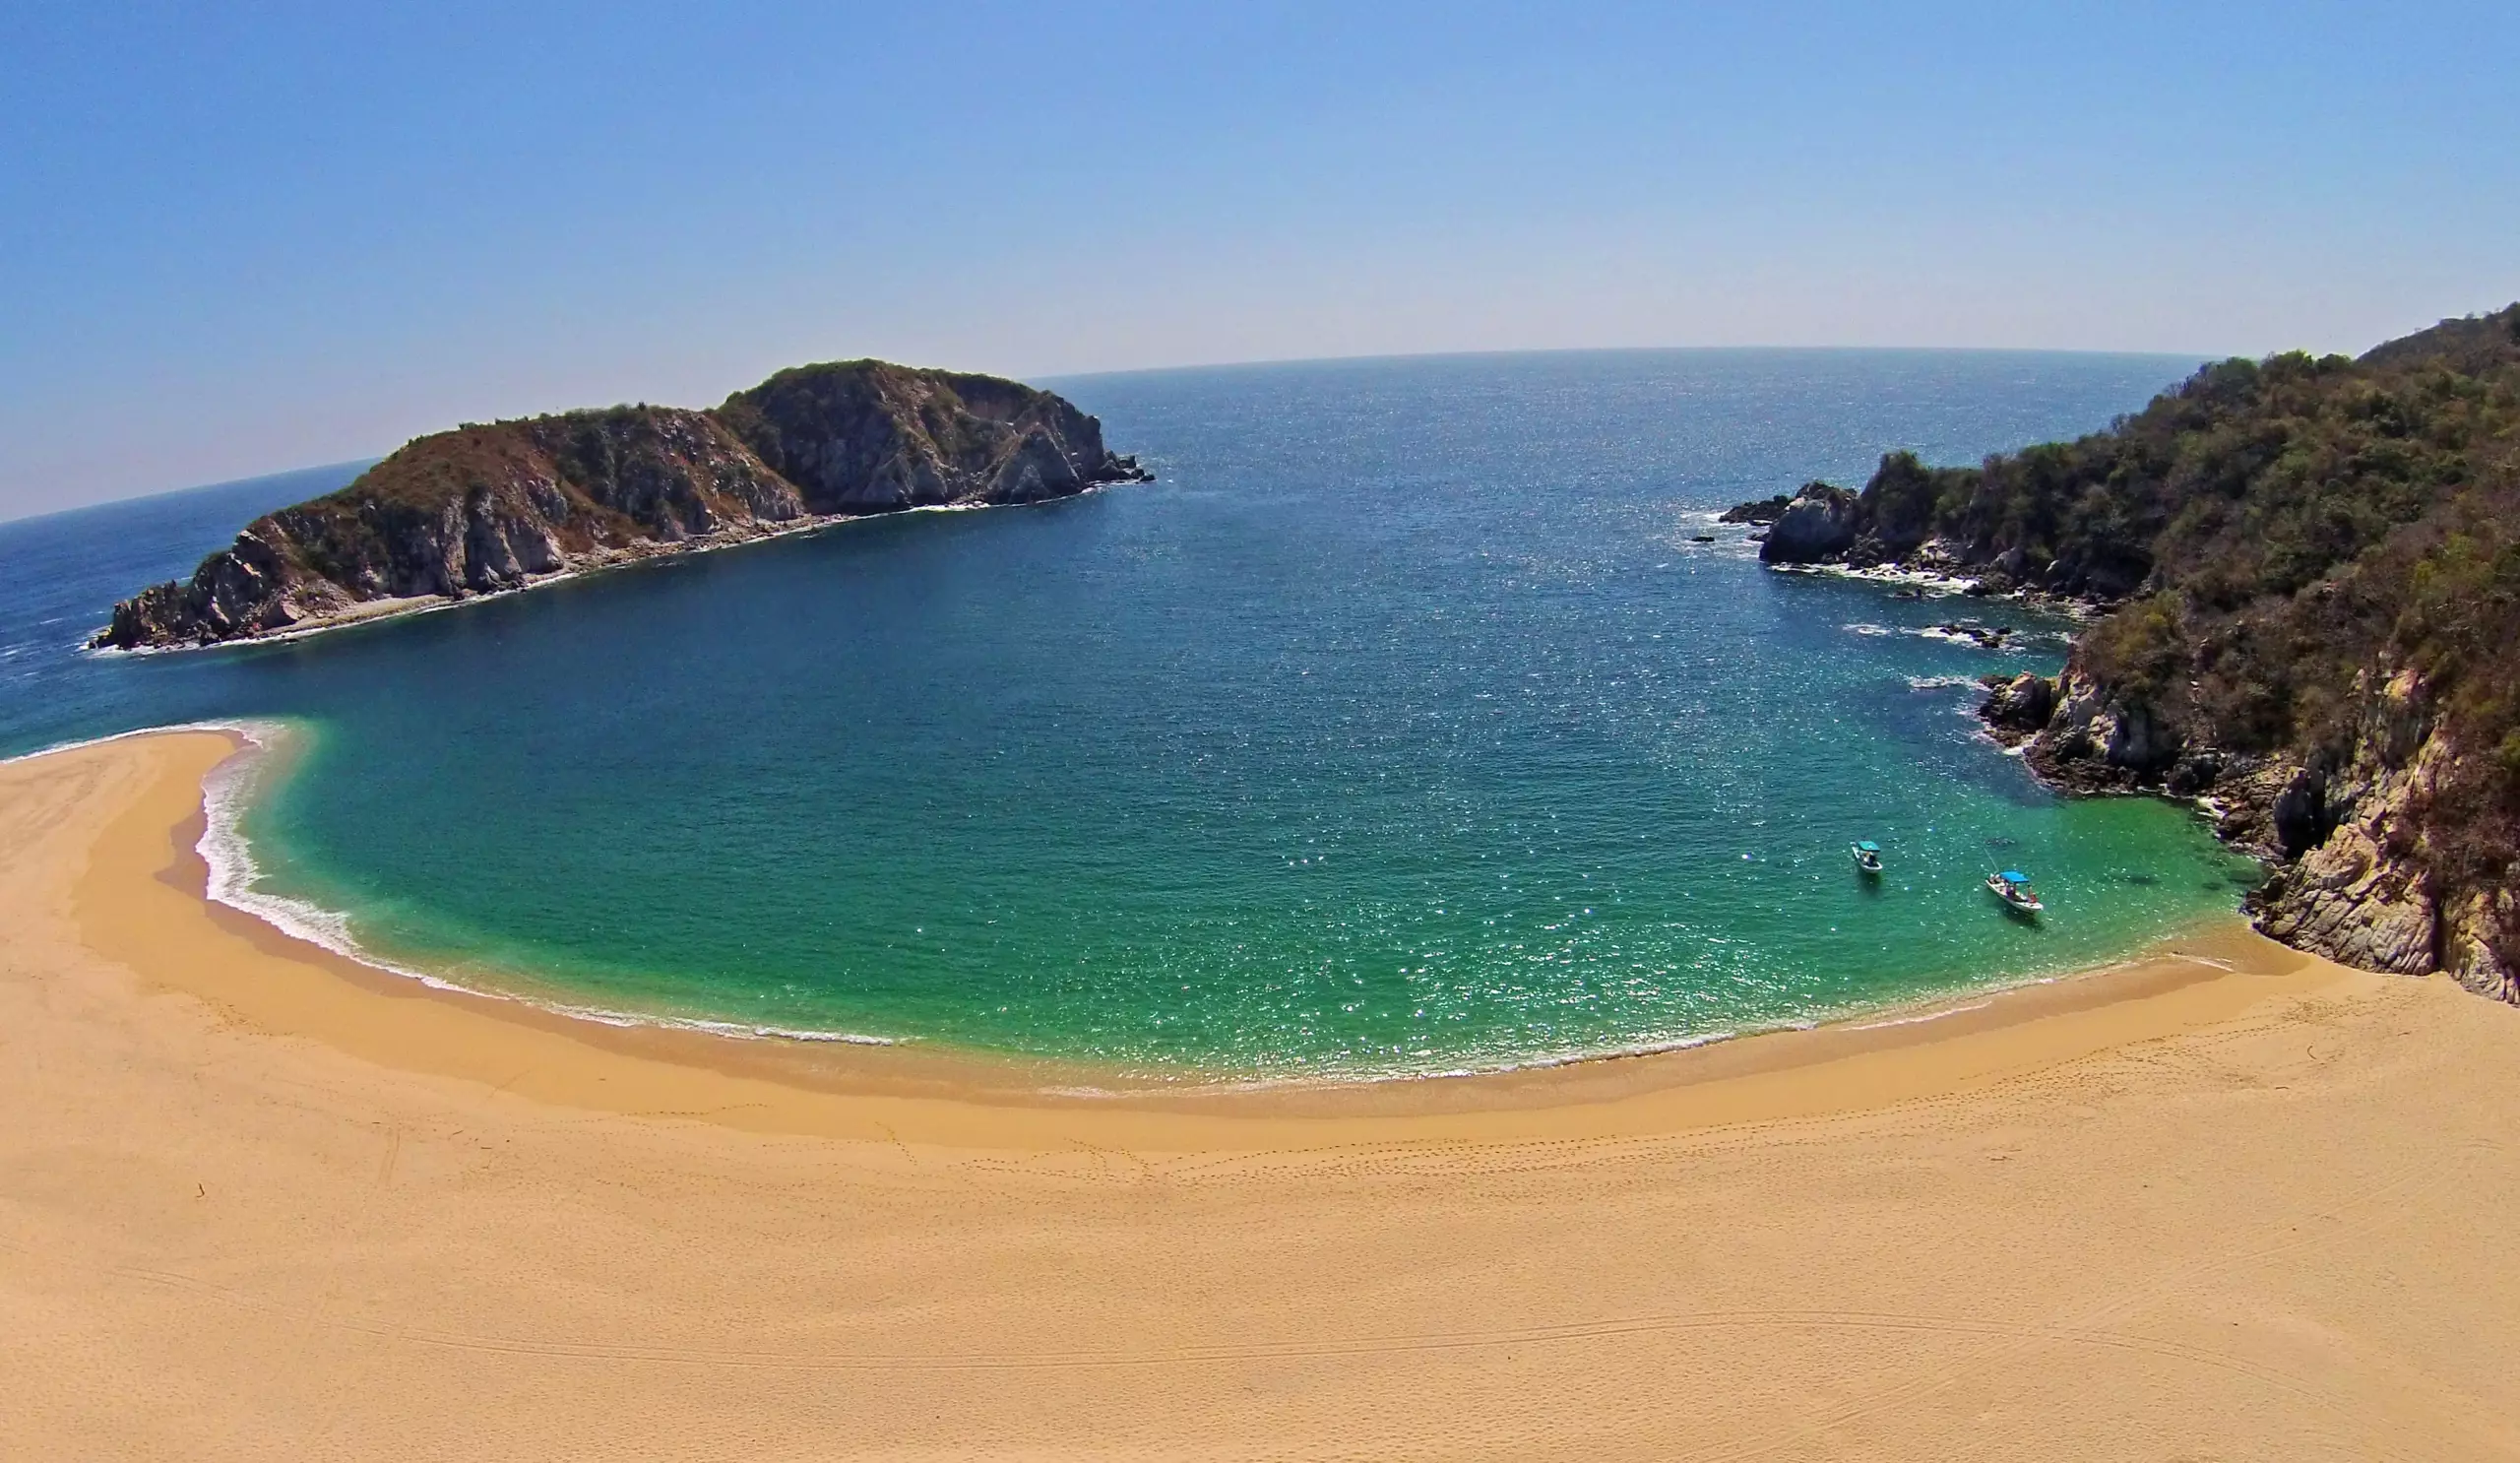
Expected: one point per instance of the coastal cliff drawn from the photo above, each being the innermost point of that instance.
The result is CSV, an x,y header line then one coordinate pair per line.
x,y
482,509
2302,579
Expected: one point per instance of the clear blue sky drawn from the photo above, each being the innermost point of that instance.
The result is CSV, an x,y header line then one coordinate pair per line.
x,y
240,239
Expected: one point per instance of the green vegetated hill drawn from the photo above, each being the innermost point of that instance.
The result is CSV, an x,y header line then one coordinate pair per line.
x,y
2310,572
486,508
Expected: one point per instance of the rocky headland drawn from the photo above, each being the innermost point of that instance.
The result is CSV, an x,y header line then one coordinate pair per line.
x,y
2301,579
487,508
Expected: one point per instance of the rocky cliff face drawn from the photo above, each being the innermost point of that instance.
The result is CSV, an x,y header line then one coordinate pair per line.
x,y
2345,837
2301,584
482,509
879,438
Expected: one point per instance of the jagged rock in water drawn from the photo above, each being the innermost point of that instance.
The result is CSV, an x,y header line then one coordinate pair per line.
x,y
482,509
2096,740
2020,706
1763,511
1818,525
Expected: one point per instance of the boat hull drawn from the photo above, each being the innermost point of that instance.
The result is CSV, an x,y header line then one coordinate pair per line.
x,y
2026,908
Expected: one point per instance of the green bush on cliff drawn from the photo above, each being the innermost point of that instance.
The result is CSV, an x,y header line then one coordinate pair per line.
x,y
2282,535
2143,649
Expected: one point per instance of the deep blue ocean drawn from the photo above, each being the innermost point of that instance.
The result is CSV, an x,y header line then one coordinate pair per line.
x,y
1417,717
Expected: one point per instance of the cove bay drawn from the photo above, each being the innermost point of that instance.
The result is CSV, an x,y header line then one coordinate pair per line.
x,y
1419,718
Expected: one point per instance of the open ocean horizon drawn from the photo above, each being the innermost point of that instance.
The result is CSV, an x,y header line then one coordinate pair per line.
x,y
1418,719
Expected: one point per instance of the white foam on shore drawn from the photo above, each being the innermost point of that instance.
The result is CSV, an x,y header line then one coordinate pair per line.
x,y
237,728
405,607
1930,583
2007,640
2064,606
1356,1076
1920,1018
230,789
229,792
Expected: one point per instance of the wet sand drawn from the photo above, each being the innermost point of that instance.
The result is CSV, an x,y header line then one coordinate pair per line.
x,y
257,1200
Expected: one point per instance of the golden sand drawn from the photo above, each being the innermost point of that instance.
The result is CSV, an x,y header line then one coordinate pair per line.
x,y
256,1201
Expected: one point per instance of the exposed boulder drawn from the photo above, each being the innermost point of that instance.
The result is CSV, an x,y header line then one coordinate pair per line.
x,y
1763,511
2020,707
2194,773
1818,525
2096,739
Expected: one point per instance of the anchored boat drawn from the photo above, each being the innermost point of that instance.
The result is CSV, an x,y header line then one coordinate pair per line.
x,y
1867,856
2012,886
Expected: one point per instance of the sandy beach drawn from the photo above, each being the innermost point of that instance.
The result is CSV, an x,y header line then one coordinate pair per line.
x,y
2226,1201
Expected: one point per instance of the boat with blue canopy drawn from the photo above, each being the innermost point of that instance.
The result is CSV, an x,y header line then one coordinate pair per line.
x,y
2012,886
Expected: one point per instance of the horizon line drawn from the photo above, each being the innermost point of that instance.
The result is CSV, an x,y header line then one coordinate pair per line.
x,y
1262,364
1367,358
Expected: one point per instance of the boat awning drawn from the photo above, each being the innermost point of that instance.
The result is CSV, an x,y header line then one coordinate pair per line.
x,y
1869,847
2013,876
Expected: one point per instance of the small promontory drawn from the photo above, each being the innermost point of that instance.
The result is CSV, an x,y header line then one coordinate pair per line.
x,y
482,509
2302,581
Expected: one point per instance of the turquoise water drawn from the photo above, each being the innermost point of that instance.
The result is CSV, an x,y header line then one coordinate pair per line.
x,y
1402,726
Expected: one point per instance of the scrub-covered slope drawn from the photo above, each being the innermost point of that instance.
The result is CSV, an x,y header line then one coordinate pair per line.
x,y
2310,569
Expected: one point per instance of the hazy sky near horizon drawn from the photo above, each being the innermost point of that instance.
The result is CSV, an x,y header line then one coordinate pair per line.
x,y
241,238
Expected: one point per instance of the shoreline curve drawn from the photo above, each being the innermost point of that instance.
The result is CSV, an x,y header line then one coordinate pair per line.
x,y
230,789
151,852
256,1204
